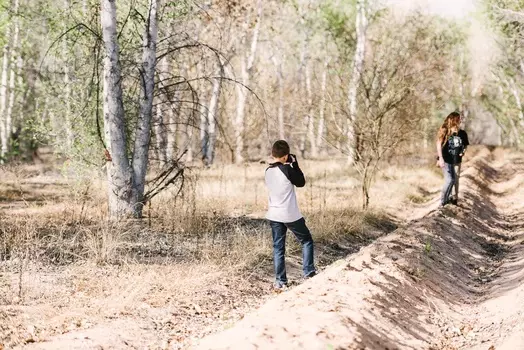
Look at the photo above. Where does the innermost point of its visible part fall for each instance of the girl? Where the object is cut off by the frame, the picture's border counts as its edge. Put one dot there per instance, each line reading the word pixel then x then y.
pixel 450 148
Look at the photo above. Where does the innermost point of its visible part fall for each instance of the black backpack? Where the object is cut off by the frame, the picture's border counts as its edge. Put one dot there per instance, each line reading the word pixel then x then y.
pixel 455 146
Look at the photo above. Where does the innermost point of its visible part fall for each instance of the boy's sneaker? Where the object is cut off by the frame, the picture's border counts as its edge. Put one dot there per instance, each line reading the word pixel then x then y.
pixel 310 275
pixel 280 287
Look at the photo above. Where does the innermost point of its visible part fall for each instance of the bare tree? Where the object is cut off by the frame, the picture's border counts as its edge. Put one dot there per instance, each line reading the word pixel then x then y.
pixel 358 64
pixel 393 92
pixel 127 180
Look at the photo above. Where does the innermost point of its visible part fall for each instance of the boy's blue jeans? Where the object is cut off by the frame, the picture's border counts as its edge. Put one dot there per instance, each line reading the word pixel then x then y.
pixel 301 232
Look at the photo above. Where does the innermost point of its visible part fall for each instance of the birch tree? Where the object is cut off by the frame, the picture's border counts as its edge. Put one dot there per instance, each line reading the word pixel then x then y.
pixel 127 179
pixel 3 104
pixel 13 74
pixel 310 120
pixel 361 24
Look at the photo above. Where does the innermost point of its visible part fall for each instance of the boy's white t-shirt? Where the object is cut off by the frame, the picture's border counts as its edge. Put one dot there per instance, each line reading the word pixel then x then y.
pixel 283 205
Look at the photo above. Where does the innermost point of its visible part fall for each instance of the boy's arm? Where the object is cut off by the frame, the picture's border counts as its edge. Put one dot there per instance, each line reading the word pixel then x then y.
pixel 293 173
pixel 296 176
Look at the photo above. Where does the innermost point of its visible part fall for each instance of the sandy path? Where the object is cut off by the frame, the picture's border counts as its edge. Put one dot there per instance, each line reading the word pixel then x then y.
pixel 447 281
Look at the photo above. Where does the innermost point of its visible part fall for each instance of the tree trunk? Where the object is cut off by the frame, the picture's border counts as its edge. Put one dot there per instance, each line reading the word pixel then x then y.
pixel 310 118
pixel 204 136
pixel 358 64
pixel 212 117
pixel 280 82
pixel 322 107
pixel 240 118
pixel 3 103
pixel 246 67
pixel 120 179
pixel 67 89
pixel 302 78
pixel 143 131
pixel 12 79
pixel 303 74
pixel 19 68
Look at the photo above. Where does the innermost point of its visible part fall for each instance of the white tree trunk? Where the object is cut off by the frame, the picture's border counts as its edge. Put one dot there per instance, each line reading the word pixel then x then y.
pixel 280 82
pixel 120 179
pixel 309 118
pixel 246 68
pixel 3 104
pixel 12 78
pixel 70 136
pixel 204 136
pixel 19 68
pixel 240 115
pixel 143 131
pixel 358 64
pixel 211 119
pixel 302 78
pixel 322 107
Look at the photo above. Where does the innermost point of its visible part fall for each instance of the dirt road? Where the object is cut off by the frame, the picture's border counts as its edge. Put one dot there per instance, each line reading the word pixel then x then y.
pixel 451 280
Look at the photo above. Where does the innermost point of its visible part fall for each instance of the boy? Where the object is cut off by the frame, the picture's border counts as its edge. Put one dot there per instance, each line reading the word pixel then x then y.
pixel 281 178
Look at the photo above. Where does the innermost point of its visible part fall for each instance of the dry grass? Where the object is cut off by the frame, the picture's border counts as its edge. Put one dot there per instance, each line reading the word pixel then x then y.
pixel 61 261
pixel 217 218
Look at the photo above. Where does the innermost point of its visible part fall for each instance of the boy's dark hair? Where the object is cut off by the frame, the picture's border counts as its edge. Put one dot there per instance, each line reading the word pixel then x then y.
pixel 280 149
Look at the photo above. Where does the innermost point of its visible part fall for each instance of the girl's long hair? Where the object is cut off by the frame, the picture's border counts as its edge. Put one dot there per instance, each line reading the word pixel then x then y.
pixel 450 125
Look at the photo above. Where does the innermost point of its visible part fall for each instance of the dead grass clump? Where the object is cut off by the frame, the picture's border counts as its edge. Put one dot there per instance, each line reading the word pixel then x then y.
pixel 339 224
